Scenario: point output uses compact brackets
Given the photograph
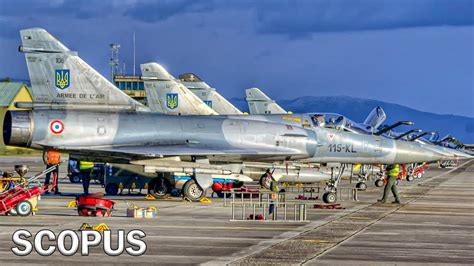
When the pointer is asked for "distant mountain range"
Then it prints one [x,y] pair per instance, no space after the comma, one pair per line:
[357,109]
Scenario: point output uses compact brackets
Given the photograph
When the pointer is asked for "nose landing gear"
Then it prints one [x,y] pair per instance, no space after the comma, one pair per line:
[330,196]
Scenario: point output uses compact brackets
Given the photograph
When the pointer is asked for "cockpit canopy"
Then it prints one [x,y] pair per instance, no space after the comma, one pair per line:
[330,120]
[335,121]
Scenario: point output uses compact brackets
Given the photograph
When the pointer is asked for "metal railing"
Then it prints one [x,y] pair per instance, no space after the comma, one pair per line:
[283,212]
[243,197]
[350,193]
[342,193]
[265,196]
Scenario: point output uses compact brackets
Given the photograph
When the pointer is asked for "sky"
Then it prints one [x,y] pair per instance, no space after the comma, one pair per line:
[417,53]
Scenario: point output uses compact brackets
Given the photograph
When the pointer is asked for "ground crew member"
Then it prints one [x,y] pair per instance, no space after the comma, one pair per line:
[273,189]
[52,158]
[85,169]
[393,170]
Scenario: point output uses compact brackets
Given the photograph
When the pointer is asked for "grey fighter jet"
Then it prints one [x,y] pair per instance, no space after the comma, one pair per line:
[122,129]
[159,84]
[259,104]
[155,73]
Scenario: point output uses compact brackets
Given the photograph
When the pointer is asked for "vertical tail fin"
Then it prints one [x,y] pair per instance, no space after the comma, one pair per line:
[376,118]
[165,94]
[260,103]
[208,95]
[59,76]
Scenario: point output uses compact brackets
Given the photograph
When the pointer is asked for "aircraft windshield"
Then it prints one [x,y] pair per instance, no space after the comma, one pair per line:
[328,120]
[334,121]
[189,77]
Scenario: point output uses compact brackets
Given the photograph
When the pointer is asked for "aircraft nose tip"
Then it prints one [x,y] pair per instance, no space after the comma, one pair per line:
[408,152]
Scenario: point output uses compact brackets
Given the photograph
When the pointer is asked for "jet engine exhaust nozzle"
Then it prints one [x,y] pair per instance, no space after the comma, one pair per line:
[18,128]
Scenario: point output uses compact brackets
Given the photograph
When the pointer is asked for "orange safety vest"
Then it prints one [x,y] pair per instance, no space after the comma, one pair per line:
[53,157]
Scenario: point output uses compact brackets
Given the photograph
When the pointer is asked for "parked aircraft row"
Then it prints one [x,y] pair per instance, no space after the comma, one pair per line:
[188,127]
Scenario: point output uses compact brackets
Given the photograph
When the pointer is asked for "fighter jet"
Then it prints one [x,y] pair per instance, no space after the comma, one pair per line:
[116,127]
[259,104]
[451,153]
[154,72]
[159,84]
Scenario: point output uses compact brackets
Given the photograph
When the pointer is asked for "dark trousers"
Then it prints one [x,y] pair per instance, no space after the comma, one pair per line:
[55,173]
[86,180]
[391,186]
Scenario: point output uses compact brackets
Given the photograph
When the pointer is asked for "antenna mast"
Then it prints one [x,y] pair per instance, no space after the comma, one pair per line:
[114,59]
[134,54]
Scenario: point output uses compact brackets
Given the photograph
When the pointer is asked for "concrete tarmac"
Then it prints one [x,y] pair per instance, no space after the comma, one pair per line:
[435,225]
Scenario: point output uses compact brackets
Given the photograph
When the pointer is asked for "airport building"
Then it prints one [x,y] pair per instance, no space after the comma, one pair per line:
[133,86]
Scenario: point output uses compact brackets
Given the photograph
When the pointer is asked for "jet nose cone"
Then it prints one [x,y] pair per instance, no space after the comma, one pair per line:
[409,152]
[461,155]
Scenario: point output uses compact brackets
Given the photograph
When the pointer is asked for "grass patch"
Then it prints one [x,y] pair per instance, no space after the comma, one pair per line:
[14,151]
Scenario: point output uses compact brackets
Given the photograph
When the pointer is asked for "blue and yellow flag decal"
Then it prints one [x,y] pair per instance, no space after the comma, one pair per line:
[62,78]
[172,100]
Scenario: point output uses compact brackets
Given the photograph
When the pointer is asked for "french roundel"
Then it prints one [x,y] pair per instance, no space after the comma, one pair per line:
[56,126]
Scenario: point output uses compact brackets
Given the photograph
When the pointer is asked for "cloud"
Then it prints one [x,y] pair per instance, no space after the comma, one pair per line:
[153,11]
[234,45]
[300,18]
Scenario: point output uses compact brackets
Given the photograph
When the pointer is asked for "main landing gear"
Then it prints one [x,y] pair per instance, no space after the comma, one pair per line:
[192,190]
[363,177]
[160,186]
[361,185]
[330,196]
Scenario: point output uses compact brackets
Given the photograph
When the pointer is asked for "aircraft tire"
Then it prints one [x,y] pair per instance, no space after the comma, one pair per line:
[329,197]
[161,187]
[75,178]
[111,189]
[419,175]
[379,183]
[193,191]
[410,178]
[265,182]
[361,185]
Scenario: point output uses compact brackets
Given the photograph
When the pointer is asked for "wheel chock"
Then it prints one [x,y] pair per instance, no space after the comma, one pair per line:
[85,226]
[205,200]
[150,197]
[186,199]
[101,228]
[333,206]
[72,204]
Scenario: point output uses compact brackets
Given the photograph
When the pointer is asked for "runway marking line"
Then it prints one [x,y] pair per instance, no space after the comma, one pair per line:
[383,216]
[242,258]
